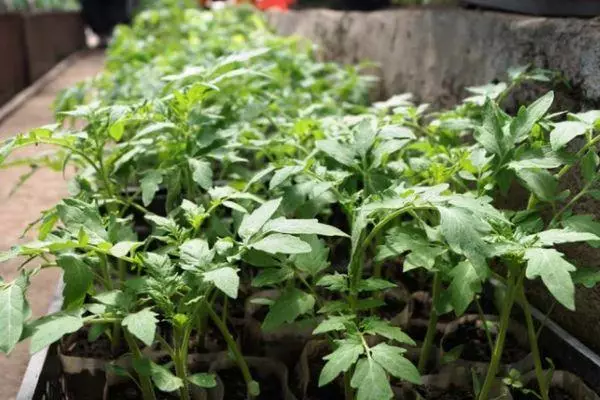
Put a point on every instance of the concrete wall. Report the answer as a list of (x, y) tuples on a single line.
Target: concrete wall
[(436, 53)]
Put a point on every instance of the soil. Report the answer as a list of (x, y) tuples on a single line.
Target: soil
[(235, 387), (554, 394), (451, 393), (476, 347), (129, 391), (313, 392)]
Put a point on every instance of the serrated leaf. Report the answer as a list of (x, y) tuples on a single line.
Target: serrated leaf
[(113, 298), (78, 279), (583, 223), (164, 379), (375, 326), (587, 277), (333, 323), (490, 133), (541, 182), (77, 215), (196, 254), (202, 173), (142, 325), (551, 237), (314, 262), (463, 232), (225, 279), (340, 360), (335, 282), (253, 222), (122, 249), (396, 132), (150, 184), (566, 131), (302, 227), (364, 136), (526, 118), (374, 284), (12, 316), (465, 284), (281, 243), (272, 276), (555, 271), (290, 305), (48, 330), (391, 358), (342, 154), (371, 381), (589, 165), (281, 175), (203, 380)]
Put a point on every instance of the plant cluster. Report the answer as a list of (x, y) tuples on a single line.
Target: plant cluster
[(220, 168), (31, 5)]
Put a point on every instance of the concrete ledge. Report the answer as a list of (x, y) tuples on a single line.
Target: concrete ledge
[(434, 53)]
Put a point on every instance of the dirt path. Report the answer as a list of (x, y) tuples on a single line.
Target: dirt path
[(42, 191)]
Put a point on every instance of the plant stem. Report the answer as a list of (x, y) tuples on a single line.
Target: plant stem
[(145, 382), (431, 326), (499, 347), (535, 351), (239, 358)]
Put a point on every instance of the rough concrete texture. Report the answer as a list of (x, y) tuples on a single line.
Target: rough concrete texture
[(42, 191), (436, 53)]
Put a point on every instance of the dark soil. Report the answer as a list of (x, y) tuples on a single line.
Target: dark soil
[(554, 393), (129, 391), (235, 387), (77, 345), (452, 393), (333, 391), (476, 347)]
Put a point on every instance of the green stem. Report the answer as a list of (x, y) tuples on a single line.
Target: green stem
[(533, 343), (432, 325), (232, 345), (145, 382), (571, 202), (499, 347), (180, 361)]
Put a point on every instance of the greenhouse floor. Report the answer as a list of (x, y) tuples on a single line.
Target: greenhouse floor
[(41, 191)]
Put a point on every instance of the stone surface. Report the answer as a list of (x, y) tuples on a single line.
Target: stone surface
[(42, 191), (436, 53)]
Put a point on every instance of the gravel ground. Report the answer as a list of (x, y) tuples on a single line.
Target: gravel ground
[(40, 192)]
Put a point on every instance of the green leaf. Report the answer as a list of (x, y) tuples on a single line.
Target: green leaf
[(202, 173), (566, 131), (464, 232), (421, 252), (225, 279), (589, 165), (252, 223), (376, 326), (195, 254), (557, 236), (465, 284), (396, 132), (342, 154), (335, 282), (203, 380), (290, 305), (113, 298), (391, 358), (272, 276), (583, 223), (340, 360), (314, 262), (526, 118), (281, 243), (78, 279), (371, 381), (235, 206), (302, 227), (77, 215), (142, 325), (541, 182), (122, 249), (587, 277), (374, 284), (164, 379), (364, 136), (490, 133), (150, 184), (281, 175), (333, 323), (48, 330), (12, 316), (555, 273)]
